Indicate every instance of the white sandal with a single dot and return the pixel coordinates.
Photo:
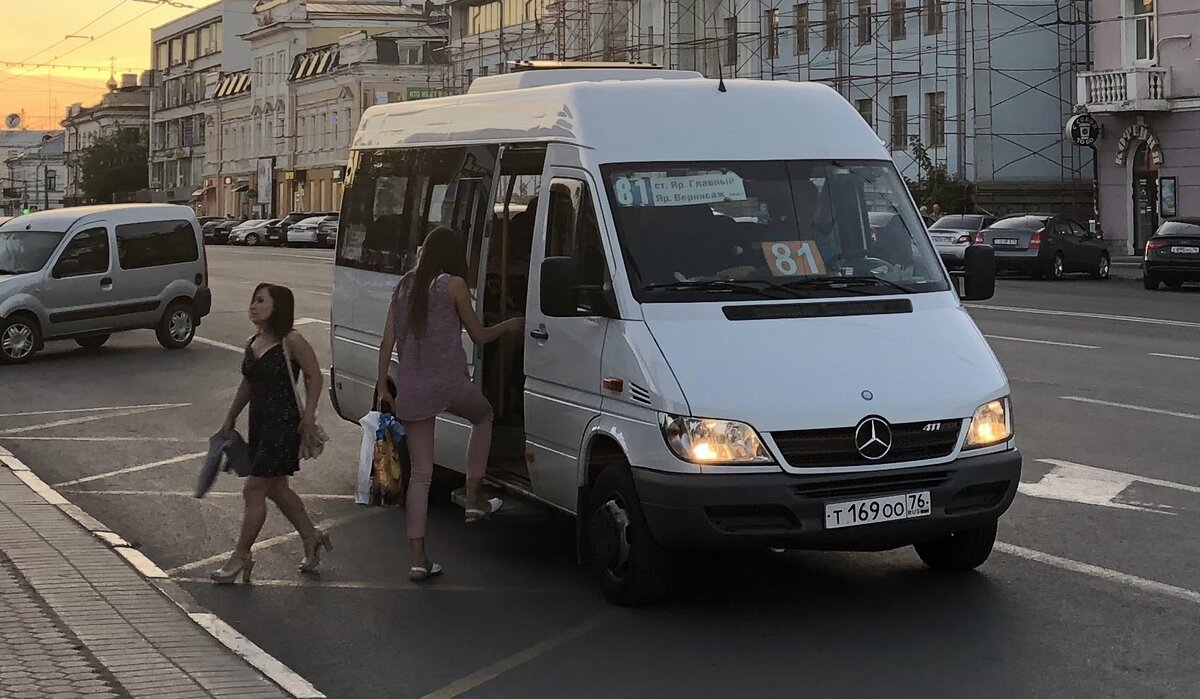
(419, 573)
(476, 514)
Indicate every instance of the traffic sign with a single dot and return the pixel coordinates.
(1083, 129)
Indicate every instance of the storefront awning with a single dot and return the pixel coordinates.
(200, 192)
(241, 188)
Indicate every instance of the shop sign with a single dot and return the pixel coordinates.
(424, 93)
(337, 175)
(1083, 130)
(266, 181)
(1139, 133)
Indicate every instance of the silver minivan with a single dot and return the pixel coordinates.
(84, 273)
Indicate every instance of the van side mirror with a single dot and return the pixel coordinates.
(979, 273)
(559, 295)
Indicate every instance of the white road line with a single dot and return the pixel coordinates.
(264, 544)
(88, 410)
(280, 674)
(398, 586)
(1174, 356)
(219, 345)
(491, 672)
(298, 257)
(1094, 316)
(1118, 577)
(132, 469)
(1040, 342)
(1132, 476)
(310, 321)
(318, 293)
(90, 418)
(1136, 408)
(190, 494)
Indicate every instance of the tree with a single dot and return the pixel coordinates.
(934, 185)
(114, 164)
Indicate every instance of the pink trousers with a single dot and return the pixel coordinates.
(471, 406)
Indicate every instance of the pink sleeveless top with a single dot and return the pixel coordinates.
(433, 367)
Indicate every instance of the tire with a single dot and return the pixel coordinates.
(1150, 281)
(178, 326)
(20, 339)
(251, 239)
(92, 342)
(961, 551)
(1103, 269)
(1057, 267)
(631, 569)
(1173, 284)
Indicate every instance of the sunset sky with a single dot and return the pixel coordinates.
(35, 31)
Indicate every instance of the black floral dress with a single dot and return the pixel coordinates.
(274, 417)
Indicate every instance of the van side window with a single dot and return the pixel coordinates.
(87, 253)
(572, 230)
(156, 244)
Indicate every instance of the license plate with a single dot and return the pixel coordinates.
(942, 239)
(1005, 241)
(1178, 250)
(872, 510)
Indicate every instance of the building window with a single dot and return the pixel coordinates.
(833, 25)
(935, 107)
(176, 51)
(161, 56)
(270, 76)
(771, 23)
(731, 41)
(864, 22)
(469, 74)
(899, 123)
(1144, 30)
(866, 109)
(899, 20)
(218, 36)
(933, 16)
(484, 71)
(801, 26)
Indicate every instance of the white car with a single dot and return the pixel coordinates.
(252, 232)
(305, 232)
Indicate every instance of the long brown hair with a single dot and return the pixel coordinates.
(441, 253)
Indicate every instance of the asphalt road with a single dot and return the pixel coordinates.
(1095, 590)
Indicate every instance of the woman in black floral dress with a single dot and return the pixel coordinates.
(277, 427)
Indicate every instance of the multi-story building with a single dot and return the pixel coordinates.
(189, 56)
(1145, 94)
(983, 86)
(35, 172)
(313, 69)
(125, 107)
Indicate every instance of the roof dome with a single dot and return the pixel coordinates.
(112, 83)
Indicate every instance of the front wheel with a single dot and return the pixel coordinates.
(1102, 268)
(628, 564)
(20, 338)
(252, 239)
(960, 551)
(177, 327)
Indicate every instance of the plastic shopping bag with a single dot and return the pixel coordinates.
(366, 457)
(387, 473)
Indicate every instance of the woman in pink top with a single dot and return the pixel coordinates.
(429, 309)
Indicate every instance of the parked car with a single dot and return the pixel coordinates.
(224, 228)
(327, 231)
(1172, 256)
(1046, 245)
(307, 232)
(277, 234)
(252, 232)
(84, 273)
(209, 228)
(952, 234)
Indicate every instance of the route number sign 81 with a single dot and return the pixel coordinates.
(793, 258)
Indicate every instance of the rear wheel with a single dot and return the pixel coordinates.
(1057, 267)
(91, 342)
(20, 338)
(630, 567)
(1102, 268)
(1150, 281)
(960, 551)
(178, 326)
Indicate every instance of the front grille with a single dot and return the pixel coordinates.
(871, 485)
(914, 441)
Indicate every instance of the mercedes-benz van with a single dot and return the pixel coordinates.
(722, 350)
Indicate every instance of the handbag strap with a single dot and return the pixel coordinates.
(293, 378)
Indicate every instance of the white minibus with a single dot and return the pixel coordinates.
(724, 348)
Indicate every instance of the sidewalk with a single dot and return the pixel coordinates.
(80, 618)
(1126, 267)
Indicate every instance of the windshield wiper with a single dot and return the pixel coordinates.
(849, 283)
(756, 286)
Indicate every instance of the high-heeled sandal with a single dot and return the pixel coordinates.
(228, 573)
(491, 507)
(419, 573)
(312, 551)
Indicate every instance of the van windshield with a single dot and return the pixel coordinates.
(791, 229)
(22, 252)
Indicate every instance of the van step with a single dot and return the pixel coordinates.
(513, 506)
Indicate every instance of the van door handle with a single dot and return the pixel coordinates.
(106, 283)
(539, 334)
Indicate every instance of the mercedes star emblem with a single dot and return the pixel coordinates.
(873, 438)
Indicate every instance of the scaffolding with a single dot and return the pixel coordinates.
(966, 62)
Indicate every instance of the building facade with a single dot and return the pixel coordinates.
(35, 173)
(983, 86)
(1145, 94)
(125, 107)
(189, 57)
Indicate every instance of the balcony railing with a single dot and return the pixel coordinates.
(1126, 90)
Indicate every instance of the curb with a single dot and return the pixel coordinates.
(283, 677)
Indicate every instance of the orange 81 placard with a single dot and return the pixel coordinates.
(793, 258)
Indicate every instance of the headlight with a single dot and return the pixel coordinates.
(713, 442)
(991, 424)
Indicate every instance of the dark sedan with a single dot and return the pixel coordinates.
(277, 233)
(211, 227)
(1046, 245)
(1173, 255)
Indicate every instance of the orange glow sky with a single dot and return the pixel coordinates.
(34, 31)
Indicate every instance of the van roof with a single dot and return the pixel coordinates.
(645, 119)
(61, 220)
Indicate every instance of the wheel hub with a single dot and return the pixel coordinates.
(17, 341)
(610, 537)
(181, 325)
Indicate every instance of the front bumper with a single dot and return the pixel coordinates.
(788, 511)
